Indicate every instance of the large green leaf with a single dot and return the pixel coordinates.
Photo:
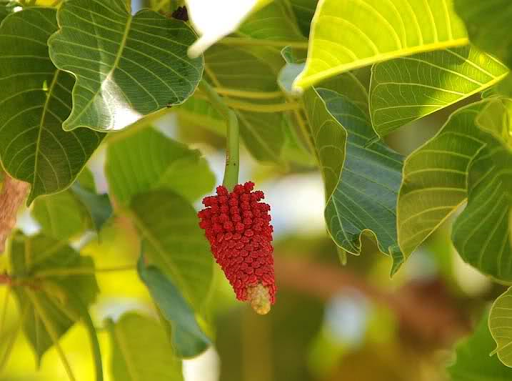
(50, 296)
(187, 338)
(147, 159)
(34, 100)
(408, 88)
(365, 197)
(500, 325)
(481, 233)
(126, 66)
(235, 68)
(374, 31)
(435, 178)
(140, 351)
(175, 243)
(496, 118)
(473, 362)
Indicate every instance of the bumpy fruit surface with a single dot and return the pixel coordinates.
(238, 228)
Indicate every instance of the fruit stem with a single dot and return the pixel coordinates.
(232, 135)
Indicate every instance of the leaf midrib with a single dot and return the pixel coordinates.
(119, 54)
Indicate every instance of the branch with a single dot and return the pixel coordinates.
(12, 196)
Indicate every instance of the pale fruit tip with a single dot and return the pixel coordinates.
(259, 297)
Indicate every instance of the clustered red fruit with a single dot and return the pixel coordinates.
(238, 227)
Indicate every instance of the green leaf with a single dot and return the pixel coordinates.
(409, 88)
(61, 216)
(488, 25)
(496, 118)
(365, 196)
(375, 31)
(175, 243)
(270, 23)
(304, 11)
(473, 360)
(6, 8)
(41, 265)
(481, 233)
(126, 66)
(147, 160)
(234, 68)
(34, 148)
(68, 214)
(187, 338)
(140, 351)
(435, 177)
(98, 206)
(500, 326)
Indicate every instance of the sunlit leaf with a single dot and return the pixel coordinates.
(140, 351)
(175, 243)
(435, 178)
(374, 31)
(187, 338)
(34, 148)
(126, 66)
(500, 325)
(408, 88)
(148, 160)
(42, 264)
(473, 361)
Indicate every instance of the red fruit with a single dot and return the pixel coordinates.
(238, 228)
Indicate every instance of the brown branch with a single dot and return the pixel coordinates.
(12, 196)
(425, 310)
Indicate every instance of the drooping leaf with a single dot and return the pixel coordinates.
(408, 88)
(175, 243)
(41, 264)
(148, 160)
(98, 206)
(234, 68)
(140, 351)
(34, 148)
(126, 66)
(481, 233)
(435, 178)
(365, 197)
(473, 361)
(187, 337)
(375, 31)
(500, 325)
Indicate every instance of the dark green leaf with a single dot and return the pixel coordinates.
(148, 160)
(41, 265)
(98, 206)
(473, 361)
(35, 99)
(187, 337)
(304, 11)
(141, 352)
(365, 196)
(126, 66)
(175, 243)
